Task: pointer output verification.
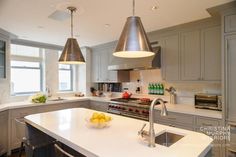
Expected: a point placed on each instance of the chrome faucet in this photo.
(151, 134)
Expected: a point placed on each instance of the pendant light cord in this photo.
(71, 25)
(133, 7)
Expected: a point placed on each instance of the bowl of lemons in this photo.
(99, 120)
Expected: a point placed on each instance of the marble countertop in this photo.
(119, 139)
(179, 108)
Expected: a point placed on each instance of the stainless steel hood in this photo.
(153, 62)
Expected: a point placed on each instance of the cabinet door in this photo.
(190, 56)
(104, 66)
(95, 67)
(112, 75)
(170, 58)
(211, 54)
(4, 132)
(3, 49)
(99, 106)
(230, 23)
(230, 50)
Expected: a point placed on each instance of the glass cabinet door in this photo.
(2, 59)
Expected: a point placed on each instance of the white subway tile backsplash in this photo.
(185, 90)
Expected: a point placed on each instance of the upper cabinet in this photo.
(170, 57)
(101, 58)
(190, 56)
(211, 54)
(193, 55)
(230, 23)
(3, 50)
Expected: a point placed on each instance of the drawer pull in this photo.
(171, 118)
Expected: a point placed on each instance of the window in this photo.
(26, 70)
(65, 76)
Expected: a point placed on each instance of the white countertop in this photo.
(27, 103)
(118, 140)
(190, 109)
(179, 108)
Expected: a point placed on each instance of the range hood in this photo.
(153, 62)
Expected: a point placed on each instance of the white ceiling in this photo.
(28, 19)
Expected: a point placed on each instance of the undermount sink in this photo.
(56, 99)
(167, 139)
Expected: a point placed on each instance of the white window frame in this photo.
(30, 59)
(71, 78)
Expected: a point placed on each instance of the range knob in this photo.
(137, 111)
(123, 108)
(130, 109)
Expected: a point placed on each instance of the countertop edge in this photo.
(196, 112)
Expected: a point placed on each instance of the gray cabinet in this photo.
(202, 123)
(211, 54)
(99, 106)
(201, 55)
(178, 120)
(101, 58)
(230, 23)
(3, 52)
(170, 57)
(230, 53)
(95, 67)
(190, 56)
(4, 132)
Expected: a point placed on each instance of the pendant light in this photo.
(133, 41)
(71, 53)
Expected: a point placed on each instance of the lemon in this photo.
(95, 115)
(95, 121)
(101, 121)
(107, 118)
(102, 116)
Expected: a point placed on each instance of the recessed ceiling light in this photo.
(154, 8)
(107, 25)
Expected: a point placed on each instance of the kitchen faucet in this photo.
(151, 134)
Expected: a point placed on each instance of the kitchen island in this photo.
(120, 139)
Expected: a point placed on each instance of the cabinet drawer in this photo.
(230, 23)
(99, 106)
(203, 121)
(181, 126)
(175, 118)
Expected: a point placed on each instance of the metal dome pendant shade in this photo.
(71, 53)
(133, 42)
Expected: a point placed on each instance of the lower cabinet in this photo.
(99, 106)
(205, 125)
(17, 129)
(4, 132)
(178, 120)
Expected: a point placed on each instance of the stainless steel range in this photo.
(131, 107)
